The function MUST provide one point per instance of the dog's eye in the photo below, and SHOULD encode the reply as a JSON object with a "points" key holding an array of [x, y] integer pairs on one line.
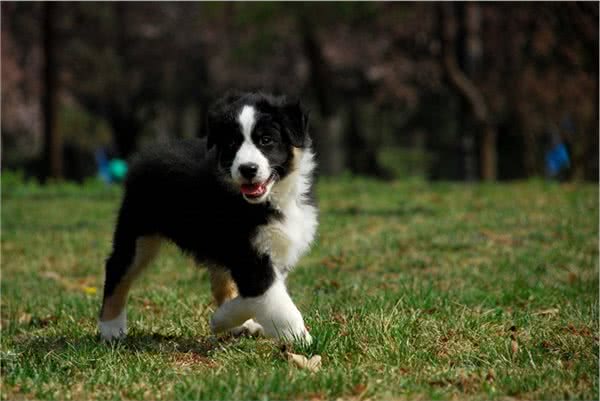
{"points": [[266, 140]]}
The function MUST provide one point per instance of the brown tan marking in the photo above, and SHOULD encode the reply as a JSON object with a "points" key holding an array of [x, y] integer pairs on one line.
{"points": [[146, 248], [297, 153], [222, 285]]}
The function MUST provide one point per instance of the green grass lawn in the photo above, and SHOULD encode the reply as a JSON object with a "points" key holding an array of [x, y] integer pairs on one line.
{"points": [[413, 290]]}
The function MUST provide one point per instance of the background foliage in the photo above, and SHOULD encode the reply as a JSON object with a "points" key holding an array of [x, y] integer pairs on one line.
{"points": [[379, 78]]}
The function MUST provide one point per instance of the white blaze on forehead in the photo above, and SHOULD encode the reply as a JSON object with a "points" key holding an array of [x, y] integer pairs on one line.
{"points": [[248, 152], [247, 120]]}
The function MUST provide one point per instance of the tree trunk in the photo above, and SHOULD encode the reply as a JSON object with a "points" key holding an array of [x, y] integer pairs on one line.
{"points": [[52, 163], [488, 154], [122, 105], [468, 60], [330, 144], [319, 71], [364, 155], [591, 171], [467, 88]]}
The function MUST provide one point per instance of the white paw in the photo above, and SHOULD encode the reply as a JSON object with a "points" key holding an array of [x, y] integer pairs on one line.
{"points": [[274, 314], [286, 325], [114, 329], [279, 316], [288, 334], [250, 327]]}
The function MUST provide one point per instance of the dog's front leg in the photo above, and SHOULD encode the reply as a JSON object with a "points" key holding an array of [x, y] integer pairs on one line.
{"points": [[274, 311], [278, 315]]}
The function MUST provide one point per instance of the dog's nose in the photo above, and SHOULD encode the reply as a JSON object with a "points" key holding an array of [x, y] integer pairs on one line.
{"points": [[248, 170]]}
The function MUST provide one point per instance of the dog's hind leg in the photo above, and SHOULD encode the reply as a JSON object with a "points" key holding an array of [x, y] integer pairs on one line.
{"points": [[129, 258], [222, 285], [224, 289]]}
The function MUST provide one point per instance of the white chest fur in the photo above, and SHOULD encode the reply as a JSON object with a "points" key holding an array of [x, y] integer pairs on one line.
{"points": [[287, 239]]}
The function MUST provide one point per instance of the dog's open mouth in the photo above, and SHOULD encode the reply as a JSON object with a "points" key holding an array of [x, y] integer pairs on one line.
{"points": [[257, 189]]}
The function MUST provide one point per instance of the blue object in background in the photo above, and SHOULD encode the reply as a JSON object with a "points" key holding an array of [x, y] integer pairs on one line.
{"points": [[102, 163], [110, 170], [557, 159]]}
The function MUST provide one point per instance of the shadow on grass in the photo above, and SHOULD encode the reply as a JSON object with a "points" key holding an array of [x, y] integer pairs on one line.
{"points": [[135, 343], [402, 211], [156, 342]]}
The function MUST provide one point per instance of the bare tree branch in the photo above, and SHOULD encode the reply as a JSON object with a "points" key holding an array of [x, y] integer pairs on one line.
{"points": [[457, 78], [467, 89]]}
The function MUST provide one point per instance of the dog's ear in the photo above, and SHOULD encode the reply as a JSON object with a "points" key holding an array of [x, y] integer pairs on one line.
{"points": [[296, 123], [216, 116]]}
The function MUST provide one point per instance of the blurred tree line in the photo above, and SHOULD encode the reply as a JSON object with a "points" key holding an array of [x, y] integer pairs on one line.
{"points": [[462, 91]]}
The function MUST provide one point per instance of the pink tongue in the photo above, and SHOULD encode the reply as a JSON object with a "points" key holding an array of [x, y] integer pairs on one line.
{"points": [[253, 189]]}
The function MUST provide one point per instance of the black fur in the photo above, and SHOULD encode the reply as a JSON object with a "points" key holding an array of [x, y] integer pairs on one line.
{"points": [[180, 191]]}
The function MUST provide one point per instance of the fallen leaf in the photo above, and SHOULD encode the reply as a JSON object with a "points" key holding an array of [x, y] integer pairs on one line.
{"points": [[339, 318], [514, 346], [546, 312], [359, 389], [313, 364], [90, 290]]}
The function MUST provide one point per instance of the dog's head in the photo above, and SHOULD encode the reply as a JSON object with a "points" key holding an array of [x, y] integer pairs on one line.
{"points": [[256, 138]]}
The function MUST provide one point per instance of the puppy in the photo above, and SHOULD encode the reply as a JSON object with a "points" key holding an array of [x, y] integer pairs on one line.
{"points": [[239, 201]]}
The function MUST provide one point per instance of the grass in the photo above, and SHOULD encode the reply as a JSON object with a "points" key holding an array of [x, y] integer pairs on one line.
{"points": [[413, 290]]}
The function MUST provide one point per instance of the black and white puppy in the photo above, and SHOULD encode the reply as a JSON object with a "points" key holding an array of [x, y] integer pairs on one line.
{"points": [[240, 202]]}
